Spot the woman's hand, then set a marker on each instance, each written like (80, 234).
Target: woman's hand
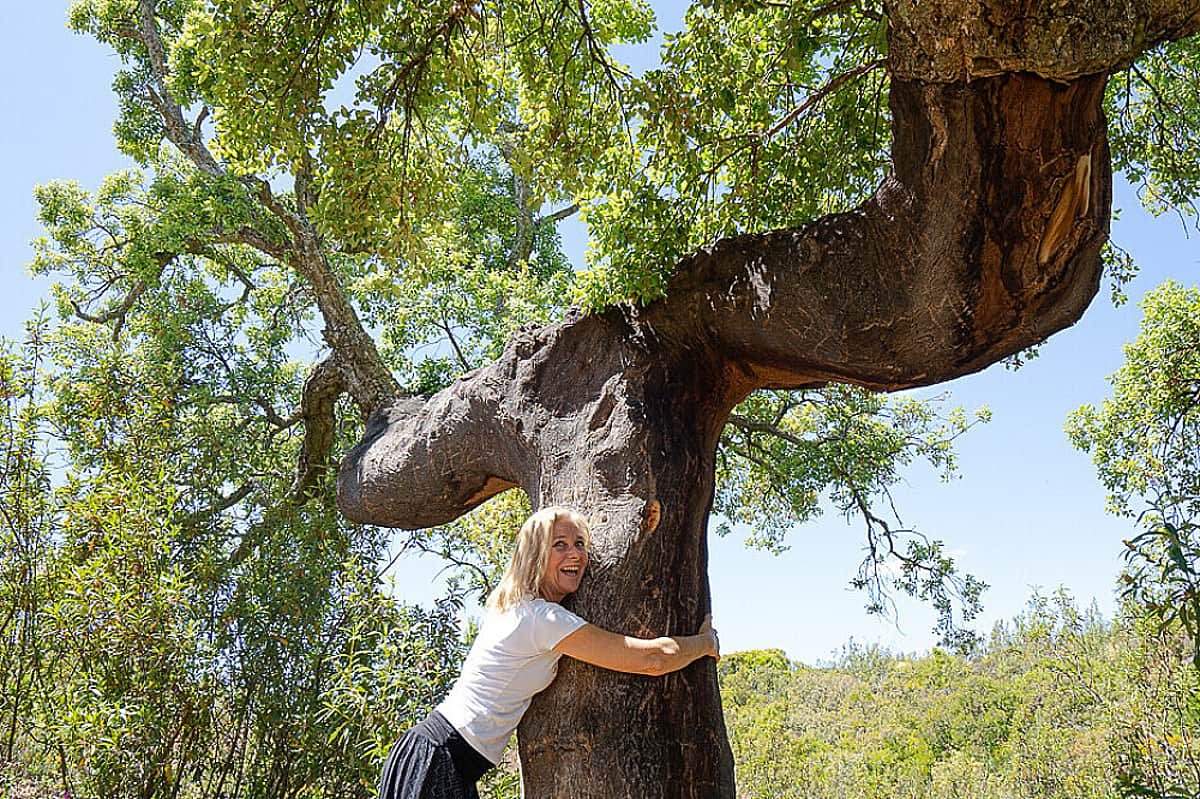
(713, 648)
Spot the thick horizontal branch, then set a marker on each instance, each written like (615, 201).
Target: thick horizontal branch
(425, 462)
(983, 240)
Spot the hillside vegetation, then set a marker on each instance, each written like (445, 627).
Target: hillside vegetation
(1060, 704)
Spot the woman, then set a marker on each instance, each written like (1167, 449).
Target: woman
(515, 656)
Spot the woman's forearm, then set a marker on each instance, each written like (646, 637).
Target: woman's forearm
(655, 656)
(671, 653)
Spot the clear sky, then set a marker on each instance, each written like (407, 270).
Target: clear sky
(1027, 512)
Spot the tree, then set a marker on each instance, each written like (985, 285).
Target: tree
(418, 207)
(1145, 442)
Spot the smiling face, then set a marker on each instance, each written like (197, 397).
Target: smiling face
(568, 558)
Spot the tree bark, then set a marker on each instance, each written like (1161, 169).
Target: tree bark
(652, 436)
(984, 239)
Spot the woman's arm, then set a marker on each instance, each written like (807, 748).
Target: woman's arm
(655, 656)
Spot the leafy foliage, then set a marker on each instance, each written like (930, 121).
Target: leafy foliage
(1145, 441)
(1058, 704)
(762, 115)
(160, 638)
(1155, 108)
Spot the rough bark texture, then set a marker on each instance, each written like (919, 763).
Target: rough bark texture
(959, 40)
(983, 240)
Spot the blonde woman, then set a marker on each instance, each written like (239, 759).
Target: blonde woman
(515, 656)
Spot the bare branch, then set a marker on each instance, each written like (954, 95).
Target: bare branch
(122, 309)
(557, 216)
(199, 123)
(829, 88)
(523, 239)
(272, 416)
(596, 50)
(462, 359)
(754, 139)
(752, 426)
(119, 311)
(220, 506)
(448, 554)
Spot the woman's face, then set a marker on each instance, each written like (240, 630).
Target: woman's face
(568, 559)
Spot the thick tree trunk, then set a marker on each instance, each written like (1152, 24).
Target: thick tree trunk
(596, 733)
(600, 416)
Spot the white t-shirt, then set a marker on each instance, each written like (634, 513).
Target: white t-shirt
(511, 660)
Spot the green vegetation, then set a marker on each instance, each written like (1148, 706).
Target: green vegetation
(146, 650)
(151, 650)
(1145, 441)
(1059, 704)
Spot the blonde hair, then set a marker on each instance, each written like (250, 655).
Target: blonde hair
(523, 578)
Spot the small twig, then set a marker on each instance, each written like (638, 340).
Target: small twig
(462, 359)
(819, 95)
(221, 505)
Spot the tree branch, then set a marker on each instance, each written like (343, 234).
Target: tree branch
(365, 376)
(523, 238)
(220, 506)
(324, 385)
(937, 274)
(462, 359)
(557, 216)
(185, 137)
(752, 426)
(126, 304)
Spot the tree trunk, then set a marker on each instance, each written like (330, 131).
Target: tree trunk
(596, 733)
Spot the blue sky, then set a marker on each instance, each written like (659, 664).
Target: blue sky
(1027, 512)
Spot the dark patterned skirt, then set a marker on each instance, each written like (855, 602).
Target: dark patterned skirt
(432, 761)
